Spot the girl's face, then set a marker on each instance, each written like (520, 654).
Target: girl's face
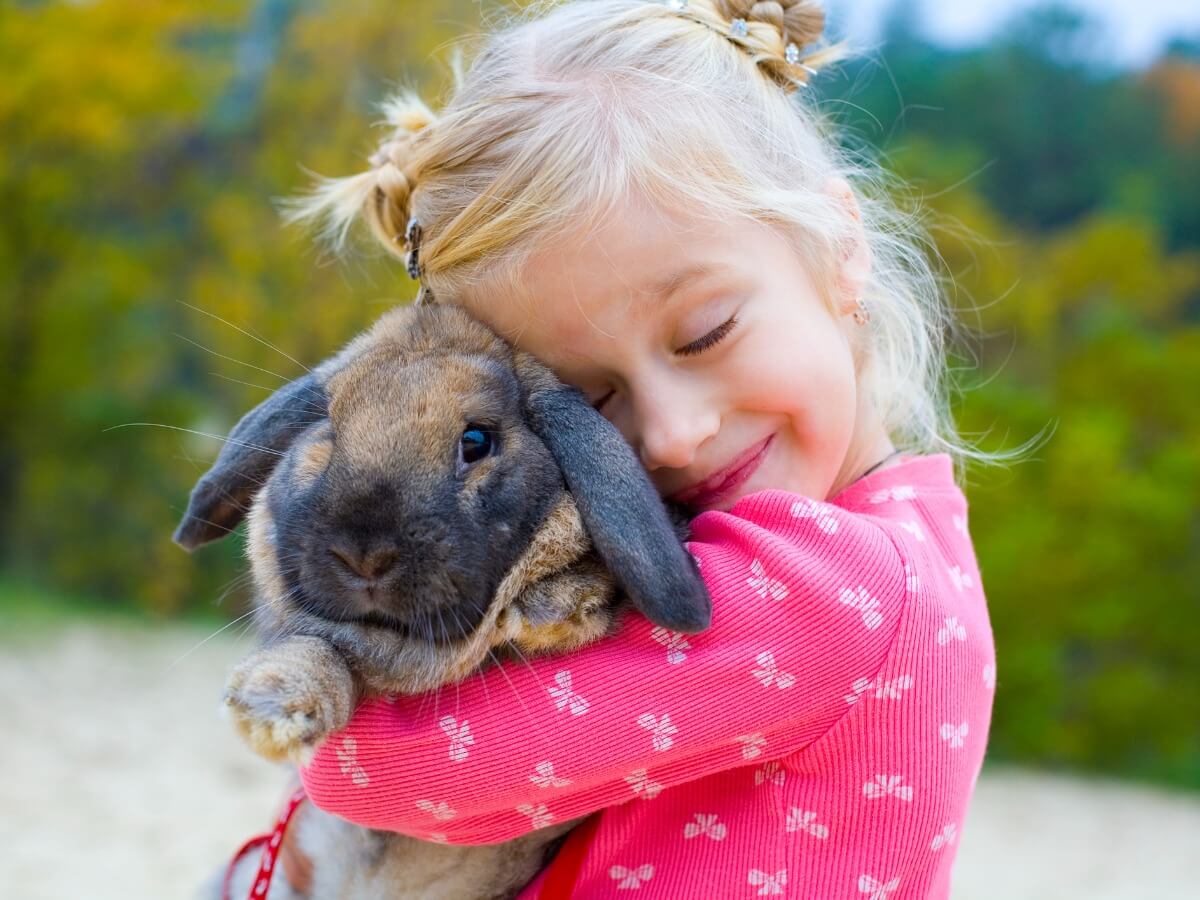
(708, 346)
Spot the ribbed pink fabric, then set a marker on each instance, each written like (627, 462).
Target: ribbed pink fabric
(821, 739)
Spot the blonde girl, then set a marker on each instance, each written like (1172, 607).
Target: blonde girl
(642, 195)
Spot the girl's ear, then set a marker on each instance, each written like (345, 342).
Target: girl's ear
(621, 509)
(854, 262)
(220, 499)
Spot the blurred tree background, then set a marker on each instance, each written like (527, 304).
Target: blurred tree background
(144, 143)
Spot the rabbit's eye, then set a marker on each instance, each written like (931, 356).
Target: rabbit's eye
(475, 444)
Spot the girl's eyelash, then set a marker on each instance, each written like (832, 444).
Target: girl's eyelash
(714, 337)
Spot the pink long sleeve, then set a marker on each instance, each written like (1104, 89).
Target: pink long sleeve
(844, 677)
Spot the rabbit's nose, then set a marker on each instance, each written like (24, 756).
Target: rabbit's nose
(372, 565)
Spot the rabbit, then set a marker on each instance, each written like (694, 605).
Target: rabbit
(426, 501)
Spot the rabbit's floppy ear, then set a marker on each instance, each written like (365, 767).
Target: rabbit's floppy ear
(620, 507)
(220, 499)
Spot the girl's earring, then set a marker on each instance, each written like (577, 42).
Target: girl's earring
(862, 315)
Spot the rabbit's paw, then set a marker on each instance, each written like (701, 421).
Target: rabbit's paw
(288, 697)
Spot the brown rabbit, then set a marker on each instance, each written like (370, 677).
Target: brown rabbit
(422, 503)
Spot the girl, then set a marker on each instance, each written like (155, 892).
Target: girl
(642, 196)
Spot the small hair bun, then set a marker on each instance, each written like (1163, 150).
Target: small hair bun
(780, 35)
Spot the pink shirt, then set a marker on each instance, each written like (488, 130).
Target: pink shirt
(821, 739)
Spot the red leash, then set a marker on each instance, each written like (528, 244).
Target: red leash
(270, 855)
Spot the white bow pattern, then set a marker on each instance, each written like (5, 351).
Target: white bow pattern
(811, 509)
(877, 889)
(440, 810)
(945, 839)
(859, 598)
(770, 884)
(951, 631)
(953, 733)
(752, 744)
(911, 582)
(763, 585)
(642, 786)
(961, 579)
(901, 493)
(770, 674)
(660, 729)
(706, 824)
(892, 689)
(539, 816)
(675, 643)
(565, 696)
(914, 528)
(545, 777)
(989, 676)
(348, 759)
(888, 786)
(805, 820)
(770, 773)
(631, 879)
(460, 737)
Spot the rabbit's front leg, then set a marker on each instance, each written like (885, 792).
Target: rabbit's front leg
(288, 696)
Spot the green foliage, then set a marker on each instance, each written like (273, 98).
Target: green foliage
(144, 144)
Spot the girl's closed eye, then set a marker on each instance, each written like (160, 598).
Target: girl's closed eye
(695, 348)
(711, 339)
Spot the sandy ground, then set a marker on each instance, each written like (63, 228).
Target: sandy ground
(119, 779)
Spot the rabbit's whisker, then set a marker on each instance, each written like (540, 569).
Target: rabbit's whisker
(231, 359)
(206, 434)
(251, 335)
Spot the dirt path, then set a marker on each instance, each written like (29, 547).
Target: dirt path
(121, 780)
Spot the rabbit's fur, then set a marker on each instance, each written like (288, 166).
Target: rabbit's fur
(390, 556)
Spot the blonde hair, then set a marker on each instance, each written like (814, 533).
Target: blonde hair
(701, 104)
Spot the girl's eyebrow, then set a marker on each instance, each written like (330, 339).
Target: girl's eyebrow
(681, 278)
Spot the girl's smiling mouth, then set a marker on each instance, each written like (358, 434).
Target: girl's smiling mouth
(720, 484)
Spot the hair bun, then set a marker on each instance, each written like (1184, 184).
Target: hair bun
(775, 32)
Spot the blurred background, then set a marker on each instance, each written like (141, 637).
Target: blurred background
(1053, 153)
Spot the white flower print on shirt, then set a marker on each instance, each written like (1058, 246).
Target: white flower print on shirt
(961, 579)
(642, 786)
(770, 674)
(539, 816)
(545, 777)
(348, 762)
(440, 810)
(752, 744)
(460, 736)
(899, 494)
(881, 689)
(706, 824)
(877, 889)
(888, 786)
(565, 696)
(811, 509)
(805, 820)
(912, 583)
(954, 734)
(660, 729)
(859, 598)
(675, 643)
(770, 773)
(945, 838)
(765, 586)
(770, 884)
(631, 879)
(951, 631)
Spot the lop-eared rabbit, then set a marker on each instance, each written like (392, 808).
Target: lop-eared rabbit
(424, 503)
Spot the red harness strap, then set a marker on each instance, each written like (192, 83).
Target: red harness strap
(270, 855)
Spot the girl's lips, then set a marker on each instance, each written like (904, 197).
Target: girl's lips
(712, 489)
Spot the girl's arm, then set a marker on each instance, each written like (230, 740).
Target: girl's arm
(806, 600)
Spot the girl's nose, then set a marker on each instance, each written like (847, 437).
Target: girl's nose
(673, 426)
